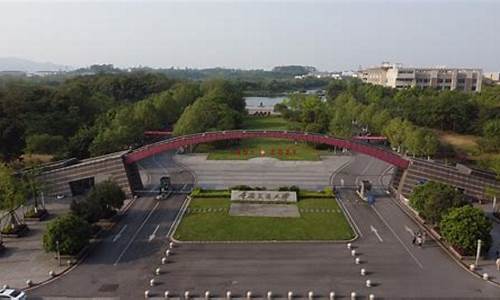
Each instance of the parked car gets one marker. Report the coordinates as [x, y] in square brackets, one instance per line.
[12, 294]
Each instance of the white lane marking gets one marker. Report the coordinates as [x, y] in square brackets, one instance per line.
[398, 238]
[368, 165]
[119, 234]
[178, 216]
[409, 230]
[135, 234]
[153, 235]
[344, 207]
[374, 230]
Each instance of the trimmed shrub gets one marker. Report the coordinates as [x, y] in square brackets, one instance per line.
[72, 232]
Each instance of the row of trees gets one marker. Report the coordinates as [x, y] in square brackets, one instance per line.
[446, 209]
[346, 117]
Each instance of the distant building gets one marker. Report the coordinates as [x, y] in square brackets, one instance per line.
[493, 77]
[397, 76]
[13, 73]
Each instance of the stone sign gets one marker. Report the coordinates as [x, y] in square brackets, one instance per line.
[263, 196]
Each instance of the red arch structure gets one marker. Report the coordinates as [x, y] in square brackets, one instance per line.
[207, 137]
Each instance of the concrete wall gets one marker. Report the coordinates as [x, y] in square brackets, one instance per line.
[472, 181]
[56, 179]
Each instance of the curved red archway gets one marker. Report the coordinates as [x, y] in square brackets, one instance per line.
[199, 138]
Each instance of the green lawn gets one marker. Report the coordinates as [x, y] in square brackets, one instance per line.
[276, 148]
[217, 225]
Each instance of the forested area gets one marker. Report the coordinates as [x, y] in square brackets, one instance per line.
[92, 115]
[406, 117]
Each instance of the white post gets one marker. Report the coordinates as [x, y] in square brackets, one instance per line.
[290, 295]
[29, 282]
[228, 295]
[158, 271]
[310, 295]
[332, 295]
[171, 245]
[207, 295]
[349, 245]
[186, 295]
[249, 295]
[353, 296]
[152, 282]
[494, 203]
[167, 293]
[163, 260]
[479, 242]
[353, 252]
[363, 272]
[357, 261]
[167, 253]
[269, 295]
[146, 294]
[368, 283]
[371, 297]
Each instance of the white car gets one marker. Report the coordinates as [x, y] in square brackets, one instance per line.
[11, 294]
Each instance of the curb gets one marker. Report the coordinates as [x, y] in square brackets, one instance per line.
[121, 212]
[171, 236]
[441, 244]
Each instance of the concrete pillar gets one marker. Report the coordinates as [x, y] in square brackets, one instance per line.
[52, 273]
[152, 282]
[371, 297]
[310, 295]
[472, 267]
[29, 282]
[164, 260]
[146, 294]
[368, 283]
[353, 252]
[207, 295]
[249, 295]
[158, 271]
[171, 245]
[349, 246]
[357, 261]
[167, 253]
[269, 295]
[486, 276]
[186, 295]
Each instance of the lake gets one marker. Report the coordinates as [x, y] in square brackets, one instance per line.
[266, 101]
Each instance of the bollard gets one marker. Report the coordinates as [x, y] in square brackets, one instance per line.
[158, 271]
[249, 295]
[353, 296]
[363, 272]
[167, 293]
[310, 295]
[228, 295]
[207, 295]
[69, 262]
[357, 261]
[29, 282]
[5, 286]
[353, 252]
[52, 273]
[186, 295]
[472, 267]
[171, 245]
[146, 294]
[349, 245]
[332, 295]
[368, 283]
[371, 297]
[152, 282]
[163, 260]
[290, 295]
[269, 295]
[167, 253]
[485, 276]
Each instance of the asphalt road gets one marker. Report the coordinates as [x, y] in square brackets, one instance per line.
[123, 263]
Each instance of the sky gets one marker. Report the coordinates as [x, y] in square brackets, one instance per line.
[330, 35]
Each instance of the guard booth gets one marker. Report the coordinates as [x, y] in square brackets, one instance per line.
[364, 191]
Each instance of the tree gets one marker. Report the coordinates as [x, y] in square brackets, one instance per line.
[463, 226]
[12, 192]
[45, 144]
[70, 231]
[432, 200]
[396, 131]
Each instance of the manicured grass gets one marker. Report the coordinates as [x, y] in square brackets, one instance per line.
[265, 123]
[276, 148]
[218, 225]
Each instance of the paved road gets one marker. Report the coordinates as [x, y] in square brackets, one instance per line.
[268, 172]
[121, 264]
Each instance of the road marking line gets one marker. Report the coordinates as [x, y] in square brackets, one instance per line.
[376, 233]
[409, 230]
[398, 238]
[135, 234]
[181, 212]
[344, 207]
[153, 235]
[119, 234]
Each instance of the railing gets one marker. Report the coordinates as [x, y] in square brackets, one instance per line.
[207, 137]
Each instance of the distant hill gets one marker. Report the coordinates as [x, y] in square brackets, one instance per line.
[25, 65]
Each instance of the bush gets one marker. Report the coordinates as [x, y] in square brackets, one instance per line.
[44, 144]
[101, 202]
[432, 200]
[241, 188]
[72, 232]
[463, 226]
[292, 188]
